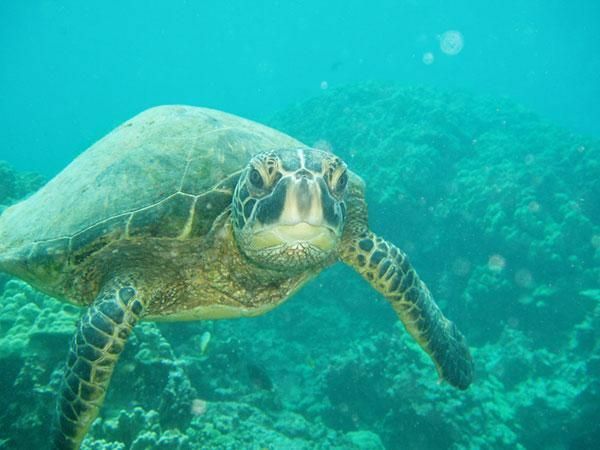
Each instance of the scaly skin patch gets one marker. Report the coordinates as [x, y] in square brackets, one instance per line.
[95, 349]
[388, 271]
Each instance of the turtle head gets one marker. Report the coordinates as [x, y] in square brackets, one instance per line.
[289, 209]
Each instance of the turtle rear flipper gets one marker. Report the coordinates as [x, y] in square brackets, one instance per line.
[388, 270]
[94, 351]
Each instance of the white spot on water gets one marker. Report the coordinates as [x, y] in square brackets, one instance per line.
[523, 278]
[496, 263]
[451, 42]
[461, 267]
[428, 58]
[324, 85]
[198, 407]
[534, 206]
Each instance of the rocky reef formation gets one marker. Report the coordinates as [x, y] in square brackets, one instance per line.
[501, 207]
[15, 185]
[499, 213]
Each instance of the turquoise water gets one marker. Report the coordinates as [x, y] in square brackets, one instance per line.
[70, 71]
[475, 128]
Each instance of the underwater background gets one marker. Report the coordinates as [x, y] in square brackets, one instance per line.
[476, 127]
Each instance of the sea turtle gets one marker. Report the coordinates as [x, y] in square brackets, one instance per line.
[186, 213]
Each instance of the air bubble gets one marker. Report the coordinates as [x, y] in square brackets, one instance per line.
[496, 263]
[534, 206]
[524, 279]
[428, 58]
[198, 407]
[461, 267]
[451, 42]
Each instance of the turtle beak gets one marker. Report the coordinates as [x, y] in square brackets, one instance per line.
[297, 208]
[296, 235]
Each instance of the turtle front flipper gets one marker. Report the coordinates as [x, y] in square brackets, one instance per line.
[95, 348]
[388, 270]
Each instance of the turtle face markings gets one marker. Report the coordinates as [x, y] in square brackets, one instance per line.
[289, 209]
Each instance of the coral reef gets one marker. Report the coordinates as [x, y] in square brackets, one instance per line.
[34, 336]
[520, 400]
[15, 185]
[498, 211]
[515, 197]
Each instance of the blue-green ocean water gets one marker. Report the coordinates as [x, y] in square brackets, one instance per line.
[475, 126]
[71, 71]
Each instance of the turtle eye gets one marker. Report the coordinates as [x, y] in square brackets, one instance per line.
[256, 178]
[342, 182]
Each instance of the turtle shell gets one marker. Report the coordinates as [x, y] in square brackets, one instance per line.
[168, 172]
